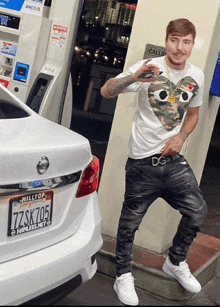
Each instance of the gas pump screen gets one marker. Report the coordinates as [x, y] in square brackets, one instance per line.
[9, 21]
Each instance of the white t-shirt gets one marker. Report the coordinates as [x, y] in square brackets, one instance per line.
[156, 119]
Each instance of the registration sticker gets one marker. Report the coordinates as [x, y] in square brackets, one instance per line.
[30, 212]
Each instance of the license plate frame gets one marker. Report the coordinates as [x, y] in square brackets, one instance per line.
[30, 212]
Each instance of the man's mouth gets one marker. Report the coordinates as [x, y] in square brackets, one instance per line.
[179, 55]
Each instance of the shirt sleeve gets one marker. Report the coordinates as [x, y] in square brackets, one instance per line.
[198, 99]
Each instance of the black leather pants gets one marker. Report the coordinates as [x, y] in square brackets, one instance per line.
[147, 179]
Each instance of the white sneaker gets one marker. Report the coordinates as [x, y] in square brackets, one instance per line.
[125, 290]
[182, 274]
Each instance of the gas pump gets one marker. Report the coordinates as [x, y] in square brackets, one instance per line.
[37, 40]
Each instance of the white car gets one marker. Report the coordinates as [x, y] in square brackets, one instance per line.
[50, 223]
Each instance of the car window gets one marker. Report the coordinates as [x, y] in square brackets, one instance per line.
[9, 111]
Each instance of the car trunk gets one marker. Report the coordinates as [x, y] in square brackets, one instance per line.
[39, 208]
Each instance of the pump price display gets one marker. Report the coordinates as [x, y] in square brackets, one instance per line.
[9, 21]
[30, 212]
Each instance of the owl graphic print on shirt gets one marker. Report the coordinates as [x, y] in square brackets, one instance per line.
[170, 114]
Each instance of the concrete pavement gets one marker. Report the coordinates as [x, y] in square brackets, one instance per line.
[154, 288]
[203, 259]
[99, 292]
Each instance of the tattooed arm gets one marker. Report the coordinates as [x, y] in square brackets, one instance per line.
[174, 145]
[115, 86]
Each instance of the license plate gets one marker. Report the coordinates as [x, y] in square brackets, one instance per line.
[30, 212]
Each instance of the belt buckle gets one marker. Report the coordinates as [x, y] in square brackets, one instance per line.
[161, 160]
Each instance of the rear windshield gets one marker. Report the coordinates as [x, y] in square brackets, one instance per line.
[9, 111]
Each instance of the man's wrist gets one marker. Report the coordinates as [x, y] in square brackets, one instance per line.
[183, 135]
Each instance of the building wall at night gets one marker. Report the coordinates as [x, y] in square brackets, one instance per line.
[104, 12]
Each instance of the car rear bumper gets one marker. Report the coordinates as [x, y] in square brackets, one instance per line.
[27, 277]
[55, 295]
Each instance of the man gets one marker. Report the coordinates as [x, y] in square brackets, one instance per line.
[167, 112]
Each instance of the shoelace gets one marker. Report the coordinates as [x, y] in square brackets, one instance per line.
[128, 283]
[183, 267]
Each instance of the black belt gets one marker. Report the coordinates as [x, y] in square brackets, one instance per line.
[156, 159]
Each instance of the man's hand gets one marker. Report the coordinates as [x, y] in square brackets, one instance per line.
[115, 86]
[146, 68]
[173, 146]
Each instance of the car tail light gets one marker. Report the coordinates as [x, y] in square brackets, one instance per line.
[89, 179]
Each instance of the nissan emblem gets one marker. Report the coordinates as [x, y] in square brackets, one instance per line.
[43, 165]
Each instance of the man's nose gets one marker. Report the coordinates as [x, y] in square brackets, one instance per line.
[180, 45]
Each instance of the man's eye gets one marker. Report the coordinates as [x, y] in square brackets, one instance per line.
[185, 96]
[161, 95]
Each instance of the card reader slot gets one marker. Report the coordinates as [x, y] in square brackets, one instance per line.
[38, 91]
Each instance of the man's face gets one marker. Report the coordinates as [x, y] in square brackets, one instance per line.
[178, 49]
